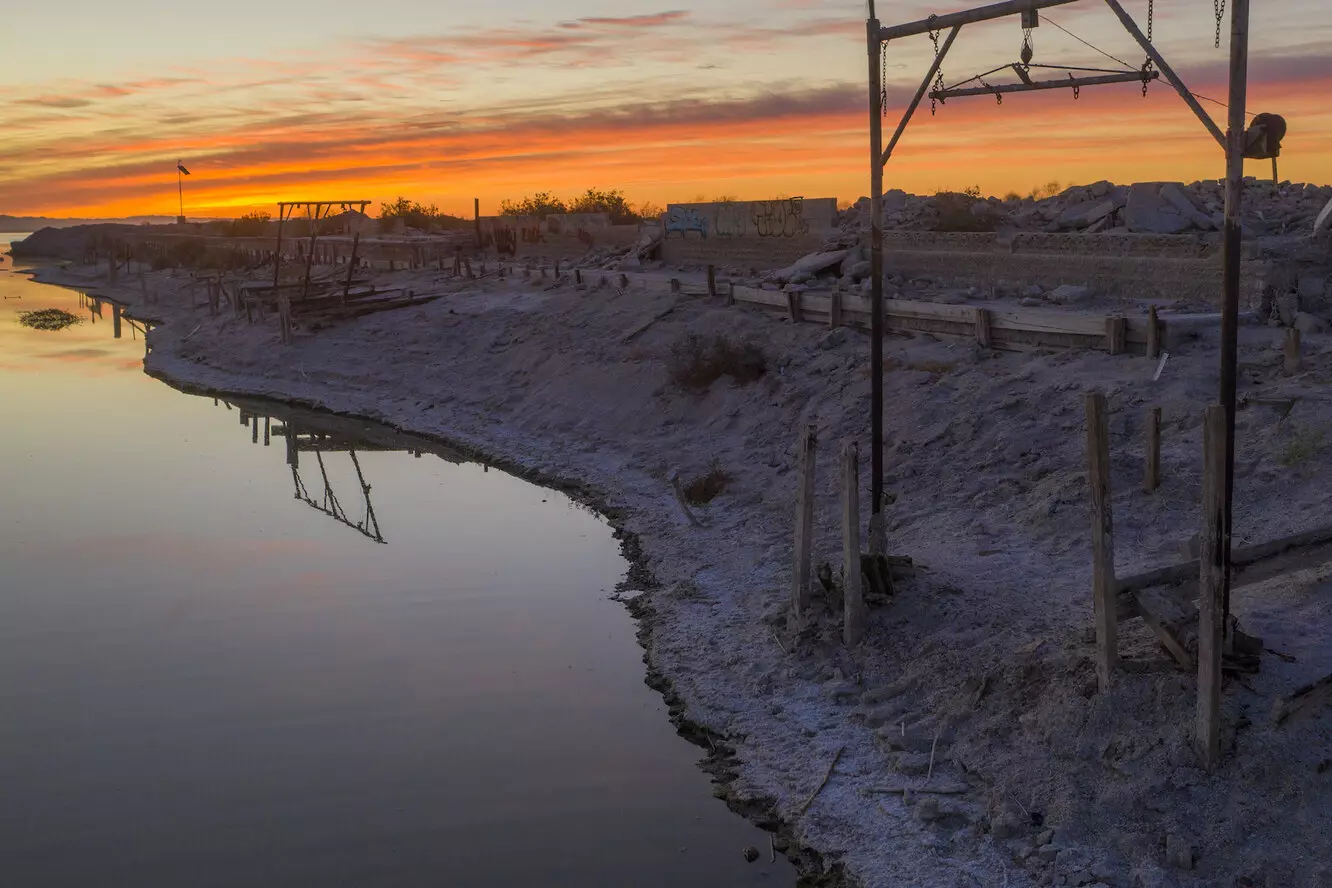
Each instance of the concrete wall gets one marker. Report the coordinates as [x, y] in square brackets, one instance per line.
[757, 234]
[565, 236]
[1141, 266]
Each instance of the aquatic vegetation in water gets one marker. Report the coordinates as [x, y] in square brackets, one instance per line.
[48, 319]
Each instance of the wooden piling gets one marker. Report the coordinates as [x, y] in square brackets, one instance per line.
[267, 438]
[1116, 335]
[1212, 587]
[1292, 358]
[853, 596]
[835, 310]
[1103, 540]
[115, 321]
[793, 309]
[712, 281]
[804, 520]
[1151, 470]
[254, 430]
[983, 337]
[1153, 334]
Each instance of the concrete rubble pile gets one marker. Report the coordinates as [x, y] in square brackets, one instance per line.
[1269, 209]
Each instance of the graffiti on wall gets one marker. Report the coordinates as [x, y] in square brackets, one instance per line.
[780, 218]
[732, 220]
[681, 220]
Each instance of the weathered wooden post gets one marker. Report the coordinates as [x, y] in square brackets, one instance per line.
[1103, 540]
[267, 420]
[115, 320]
[853, 595]
[1151, 473]
[712, 281]
[1116, 335]
[793, 307]
[804, 520]
[983, 338]
[1153, 334]
[835, 310]
[254, 430]
[1211, 587]
[351, 266]
[1291, 364]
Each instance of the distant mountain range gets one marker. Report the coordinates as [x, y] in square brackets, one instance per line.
[36, 223]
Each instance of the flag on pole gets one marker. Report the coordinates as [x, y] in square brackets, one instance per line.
[180, 166]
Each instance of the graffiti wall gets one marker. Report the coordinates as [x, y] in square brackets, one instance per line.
[747, 232]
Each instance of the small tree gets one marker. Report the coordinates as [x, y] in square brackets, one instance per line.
[541, 205]
[253, 224]
[610, 202]
[412, 214]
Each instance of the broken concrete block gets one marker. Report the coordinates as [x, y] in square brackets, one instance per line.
[1324, 220]
[1309, 323]
[1148, 212]
[1085, 214]
[811, 264]
[1311, 287]
[894, 200]
[1070, 294]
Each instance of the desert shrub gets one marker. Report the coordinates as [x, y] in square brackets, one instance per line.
[697, 362]
[416, 215]
[1049, 189]
[49, 319]
[250, 225]
[952, 212]
[1304, 445]
[541, 205]
[705, 488]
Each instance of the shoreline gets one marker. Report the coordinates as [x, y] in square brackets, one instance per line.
[1038, 779]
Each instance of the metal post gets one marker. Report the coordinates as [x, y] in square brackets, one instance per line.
[1239, 74]
[875, 48]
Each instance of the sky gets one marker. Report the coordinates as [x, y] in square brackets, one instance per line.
[667, 100]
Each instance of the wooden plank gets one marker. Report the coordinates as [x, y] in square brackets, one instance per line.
[1291, 363]
[983, 338]
[1164, 617]
[1211, 581]
[804, 520]
[1103, 539]
[1302, 698]
[1151, 471]
[1153, 334]
[1116, 331]
[853, 594]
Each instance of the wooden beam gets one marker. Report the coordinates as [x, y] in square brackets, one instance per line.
[853, 594]
[1103, 539]
[920, 94]
[1171, 77]
[1038, 85]
[970, 16]
[1151, 470]
[1291, 364]
[804, 520]
[1211, 602]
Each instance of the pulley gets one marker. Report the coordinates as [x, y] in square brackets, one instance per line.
[1263, 137]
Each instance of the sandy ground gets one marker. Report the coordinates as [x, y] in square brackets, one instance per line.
[980, 661]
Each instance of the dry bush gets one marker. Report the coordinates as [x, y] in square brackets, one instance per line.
[705, 488]
[952, 212]
[697, 362]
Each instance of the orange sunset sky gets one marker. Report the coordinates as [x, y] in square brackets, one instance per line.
[443, 102]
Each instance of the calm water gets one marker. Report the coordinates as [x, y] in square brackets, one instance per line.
[214, 673]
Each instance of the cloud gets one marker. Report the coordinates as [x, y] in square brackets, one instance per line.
[647, 20]
[54, 102]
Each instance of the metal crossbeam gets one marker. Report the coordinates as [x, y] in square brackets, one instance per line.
[970, 16]
[1035, 85]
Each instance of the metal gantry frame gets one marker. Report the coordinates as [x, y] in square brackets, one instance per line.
[1233, 143]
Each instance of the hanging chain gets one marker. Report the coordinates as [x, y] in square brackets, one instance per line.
[1219, 6]
[938, 74]
[1028, 51]
[1147, 63]
[883, 81]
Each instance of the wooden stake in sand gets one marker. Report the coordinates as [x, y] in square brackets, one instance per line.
[804, 520]
[1151, 472]
[1153, 334]
[1103, 540]
[1116, 335]
[853, 595]
[1292, 359]
[983, 338]
[1211, 591]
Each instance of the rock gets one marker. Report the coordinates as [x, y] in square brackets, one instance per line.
[1311, 287]
[913, 764]
[1179, 854]
[751, 854]
[833, 338]
[1030, 302]
[894, 200]
[1308, 323]
[1034, 291]
[841, 691]
[859, 270]
[1006, 825]
[927, 809]
[1048, 853]
[1287, 306]
[811, 264]
[1070, 294]
[1085, 214]
[1147, 211]
[1044, 837]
